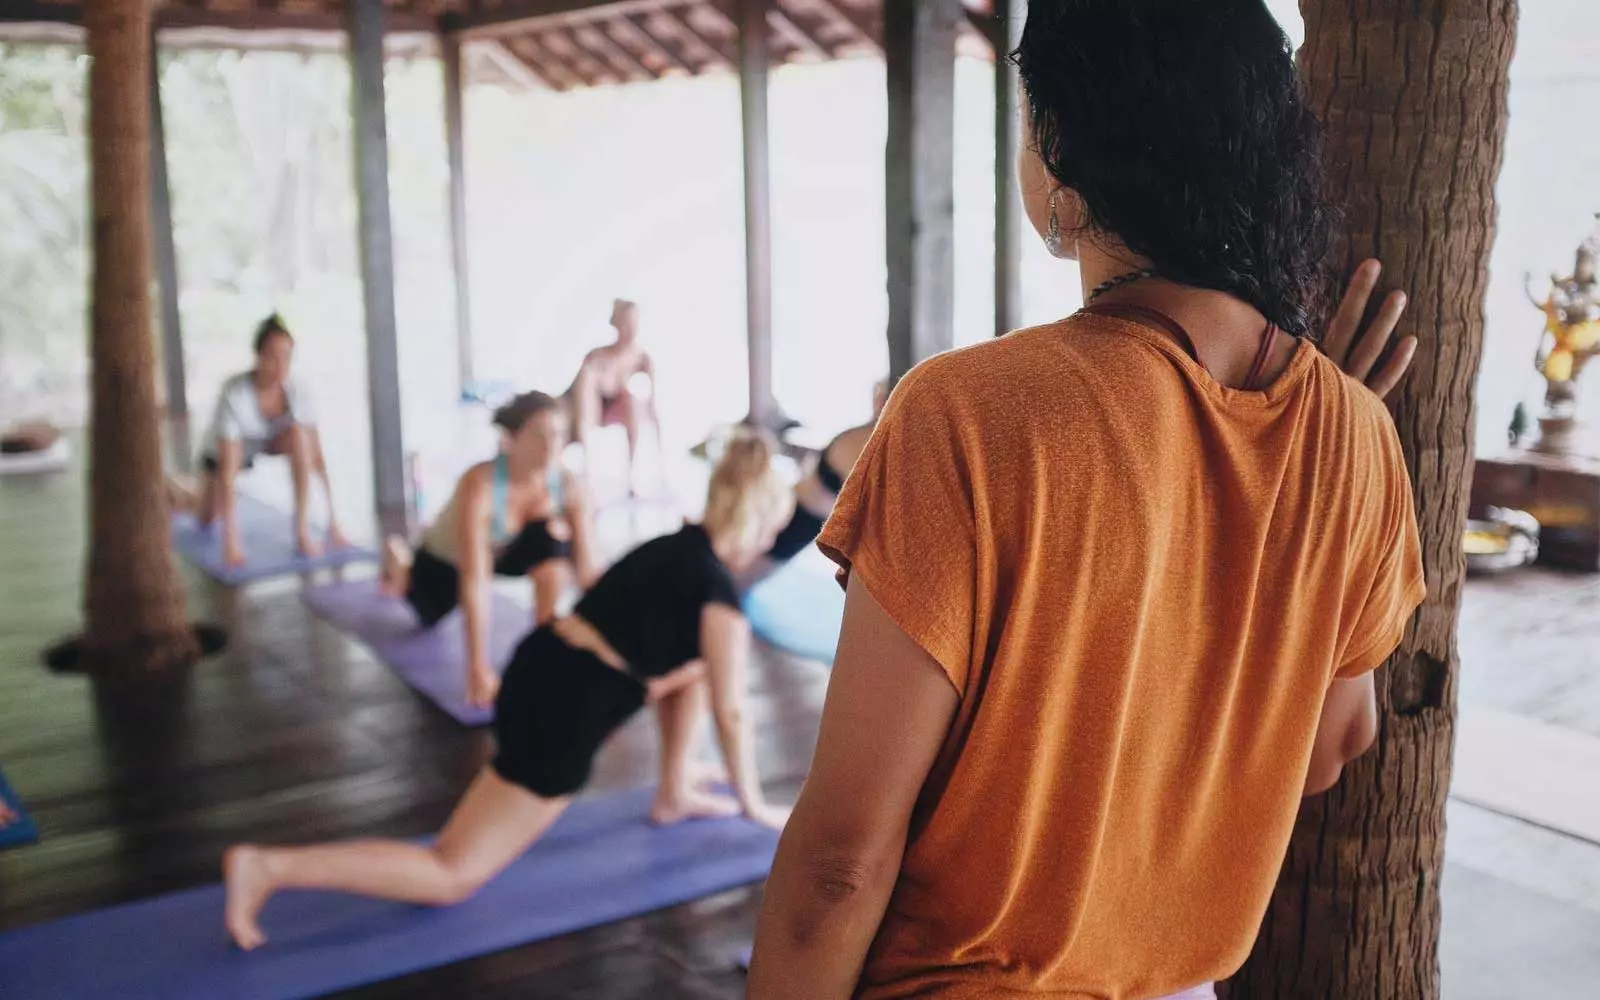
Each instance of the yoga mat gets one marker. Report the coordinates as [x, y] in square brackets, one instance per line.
[434, 661]
[799, 608]
[20, 831]
[53, 459]
[603, 861]
[269, 546]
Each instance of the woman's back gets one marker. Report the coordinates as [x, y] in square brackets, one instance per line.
[1146, 584]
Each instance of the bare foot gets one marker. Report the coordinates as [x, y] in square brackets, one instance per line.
[309, 547]
[392, 578]
[248, 886]
[233, 554]
[692, 804]
[336, 538]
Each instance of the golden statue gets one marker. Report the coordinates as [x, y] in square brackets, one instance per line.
[1571, 337]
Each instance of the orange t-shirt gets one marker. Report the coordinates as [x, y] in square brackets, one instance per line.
[1141, 582]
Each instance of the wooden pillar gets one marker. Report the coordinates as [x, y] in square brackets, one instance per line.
[135, 622]
[755, 57]
[919, 43]
[376, 246]
[1008, 222]
[167, 267]
[1413, 94]
[455, 145]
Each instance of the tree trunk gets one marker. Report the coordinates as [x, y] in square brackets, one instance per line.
[134, 614]
[1413, 95]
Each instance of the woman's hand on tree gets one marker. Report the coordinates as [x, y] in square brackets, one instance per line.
[1358, 351]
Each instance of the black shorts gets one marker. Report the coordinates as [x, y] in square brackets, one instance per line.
[435, 587]
[802, 529]
[557, 707]
[211, 465]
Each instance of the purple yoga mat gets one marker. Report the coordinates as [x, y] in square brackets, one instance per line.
[604, 861]
[270, 549]
[434, 661]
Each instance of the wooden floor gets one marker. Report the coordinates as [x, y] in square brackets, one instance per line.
[295, 734]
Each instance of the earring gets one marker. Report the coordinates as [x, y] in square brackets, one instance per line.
[1052, 236]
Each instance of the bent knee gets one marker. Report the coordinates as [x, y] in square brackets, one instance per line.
[458, 884]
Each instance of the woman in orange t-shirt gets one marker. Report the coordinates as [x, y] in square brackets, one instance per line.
[1116, 585]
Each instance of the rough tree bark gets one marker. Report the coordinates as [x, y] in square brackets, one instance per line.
[1413, 95]
[135, 621]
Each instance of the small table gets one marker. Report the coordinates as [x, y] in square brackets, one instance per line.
[1562, 492]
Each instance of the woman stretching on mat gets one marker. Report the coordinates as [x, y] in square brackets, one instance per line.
[518, 515]
[818, 490]
[1116, 585]
[261, 412]
[658, 622]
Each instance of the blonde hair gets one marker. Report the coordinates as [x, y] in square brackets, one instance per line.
[747, 497]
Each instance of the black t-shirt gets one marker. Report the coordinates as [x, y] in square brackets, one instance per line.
[648, 605]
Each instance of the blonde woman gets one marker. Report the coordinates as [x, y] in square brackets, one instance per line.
[657, 624]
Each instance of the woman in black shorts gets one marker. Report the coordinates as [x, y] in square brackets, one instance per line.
[655, 625]
[520, 514]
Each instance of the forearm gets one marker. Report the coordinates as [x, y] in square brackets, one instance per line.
[823, 909]
[227, 496]
[738, 752]
[475, 612]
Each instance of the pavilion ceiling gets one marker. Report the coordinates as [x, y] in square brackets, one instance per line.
[559, 44]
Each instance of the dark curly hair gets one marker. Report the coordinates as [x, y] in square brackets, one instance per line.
[1181, 125]
[272, 326]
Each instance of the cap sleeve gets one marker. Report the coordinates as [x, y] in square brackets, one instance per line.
[905, 522]
[1391, 583]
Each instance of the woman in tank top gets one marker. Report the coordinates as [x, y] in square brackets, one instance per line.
[818, 490]
[1116, 584]
[657, 627]
[519, 514]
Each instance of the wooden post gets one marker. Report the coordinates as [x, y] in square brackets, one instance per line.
[1413, 95]
[167, 266]
[755, 58]
[919, 43]
[135, 621]
[366, 27]
[1008, 222]
[455, 145]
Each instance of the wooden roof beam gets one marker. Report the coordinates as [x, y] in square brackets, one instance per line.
[616, 52]
[848, 18]
[518, 16]
[798, 38]
[548, 73]
[722, 49]
[184, 16]
[641, 24]
[543, 53]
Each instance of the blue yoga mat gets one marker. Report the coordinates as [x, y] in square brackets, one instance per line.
[604, 861]
[21, 831]
[799, 608]
[433, 661]
[267, 535]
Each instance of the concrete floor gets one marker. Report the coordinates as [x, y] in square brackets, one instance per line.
[1522, 903]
